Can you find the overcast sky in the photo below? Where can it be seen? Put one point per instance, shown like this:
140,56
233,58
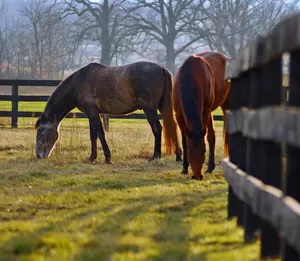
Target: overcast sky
13,5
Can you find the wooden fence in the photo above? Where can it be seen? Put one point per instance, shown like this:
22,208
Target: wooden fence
15,98
263,167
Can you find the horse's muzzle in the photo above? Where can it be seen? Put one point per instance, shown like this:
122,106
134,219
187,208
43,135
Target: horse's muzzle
41,156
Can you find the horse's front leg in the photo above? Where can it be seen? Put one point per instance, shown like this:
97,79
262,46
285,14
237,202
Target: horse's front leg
96,130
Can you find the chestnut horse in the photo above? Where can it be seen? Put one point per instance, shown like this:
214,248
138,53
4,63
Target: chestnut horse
97,88
199,89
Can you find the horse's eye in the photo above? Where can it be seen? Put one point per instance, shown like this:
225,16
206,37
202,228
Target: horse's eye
40,130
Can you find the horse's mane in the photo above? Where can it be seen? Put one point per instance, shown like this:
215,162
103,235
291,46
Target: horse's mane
67,85
59,93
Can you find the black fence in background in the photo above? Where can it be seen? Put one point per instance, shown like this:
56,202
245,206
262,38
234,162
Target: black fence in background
263,167
15,98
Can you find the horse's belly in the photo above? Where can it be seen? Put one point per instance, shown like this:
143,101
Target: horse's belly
116,108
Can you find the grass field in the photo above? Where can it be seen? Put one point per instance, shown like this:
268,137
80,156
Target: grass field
65,208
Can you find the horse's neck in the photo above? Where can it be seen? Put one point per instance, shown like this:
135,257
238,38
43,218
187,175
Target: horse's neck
60,103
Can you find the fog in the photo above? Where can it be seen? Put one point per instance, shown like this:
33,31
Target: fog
48,39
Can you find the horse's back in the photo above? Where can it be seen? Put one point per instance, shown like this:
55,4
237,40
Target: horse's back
122,89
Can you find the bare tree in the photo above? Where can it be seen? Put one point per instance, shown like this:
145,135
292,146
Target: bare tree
6,36
102,22
167,22
50,36
234,23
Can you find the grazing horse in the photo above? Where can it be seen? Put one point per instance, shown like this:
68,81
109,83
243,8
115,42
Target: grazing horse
199,89
97,88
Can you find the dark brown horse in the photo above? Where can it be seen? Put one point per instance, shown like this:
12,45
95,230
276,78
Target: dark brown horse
199,89
119,90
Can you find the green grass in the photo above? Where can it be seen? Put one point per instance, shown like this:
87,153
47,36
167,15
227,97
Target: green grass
65,208
39,107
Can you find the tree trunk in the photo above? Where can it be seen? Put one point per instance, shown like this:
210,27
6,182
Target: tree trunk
171,59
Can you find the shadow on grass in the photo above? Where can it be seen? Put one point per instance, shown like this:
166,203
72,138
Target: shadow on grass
142,228
107,225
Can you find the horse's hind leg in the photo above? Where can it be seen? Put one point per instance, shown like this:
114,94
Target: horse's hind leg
211,138
152,118
96,130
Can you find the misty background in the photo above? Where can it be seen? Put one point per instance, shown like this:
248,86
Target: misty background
49,39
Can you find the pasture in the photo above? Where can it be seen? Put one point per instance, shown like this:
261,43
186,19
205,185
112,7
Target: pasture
65,208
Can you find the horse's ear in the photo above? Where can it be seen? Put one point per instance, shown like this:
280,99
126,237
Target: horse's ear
37,124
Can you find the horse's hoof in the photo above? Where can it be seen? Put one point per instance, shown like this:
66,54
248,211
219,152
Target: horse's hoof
154,158
197,178
92,160
107,161
210,168
249,237
178,159
184,172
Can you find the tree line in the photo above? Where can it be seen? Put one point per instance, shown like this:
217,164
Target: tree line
49,38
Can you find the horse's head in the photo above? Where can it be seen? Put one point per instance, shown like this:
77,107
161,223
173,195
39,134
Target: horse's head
46,136
196,153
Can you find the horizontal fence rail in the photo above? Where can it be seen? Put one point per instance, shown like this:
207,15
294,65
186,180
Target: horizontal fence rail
263,123
15,98
270,203
278,124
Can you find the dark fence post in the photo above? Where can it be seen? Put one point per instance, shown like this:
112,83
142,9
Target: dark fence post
253,158
14,106
232,206
293,163
270,95
237,144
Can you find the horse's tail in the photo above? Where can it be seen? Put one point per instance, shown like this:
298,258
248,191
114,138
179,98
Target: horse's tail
169,123
188,94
